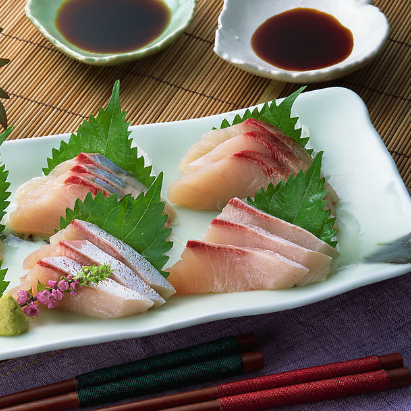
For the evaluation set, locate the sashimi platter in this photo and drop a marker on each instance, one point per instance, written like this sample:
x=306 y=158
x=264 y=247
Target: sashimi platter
x=120 y=231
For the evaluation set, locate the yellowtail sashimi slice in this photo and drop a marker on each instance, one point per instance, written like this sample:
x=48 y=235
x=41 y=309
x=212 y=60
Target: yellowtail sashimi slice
x=210 y=140
x=83 y=230
x=106 y=299
x=250 y=140
x=214 y=268
x=102 y=168
x=86 y=254
x=222 y=231
x=238 y=210
x=238 y=175
x=40 y=206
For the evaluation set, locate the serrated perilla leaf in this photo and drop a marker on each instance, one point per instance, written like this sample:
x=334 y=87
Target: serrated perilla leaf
x=300 y=201
x=139 y=222
x=278 y=116
x=106 y=134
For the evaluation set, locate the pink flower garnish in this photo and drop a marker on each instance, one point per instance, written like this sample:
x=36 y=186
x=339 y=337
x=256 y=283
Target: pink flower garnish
x=43 y=297
x=57 y=294
x=22 y=297
x=31 y=310
x=52 y=283
x=52 y=303
x=63 y=285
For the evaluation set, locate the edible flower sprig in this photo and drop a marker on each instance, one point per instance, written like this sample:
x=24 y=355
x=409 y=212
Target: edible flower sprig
x=50 y=294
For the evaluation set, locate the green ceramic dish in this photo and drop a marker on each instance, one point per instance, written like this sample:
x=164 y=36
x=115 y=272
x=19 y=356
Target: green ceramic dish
x=42 y=13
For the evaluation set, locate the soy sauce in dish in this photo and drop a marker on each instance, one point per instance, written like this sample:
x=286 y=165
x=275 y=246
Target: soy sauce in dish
x=302 y=39
x=112 y=26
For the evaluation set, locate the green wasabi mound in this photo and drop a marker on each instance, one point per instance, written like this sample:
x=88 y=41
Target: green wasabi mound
x=12 y=319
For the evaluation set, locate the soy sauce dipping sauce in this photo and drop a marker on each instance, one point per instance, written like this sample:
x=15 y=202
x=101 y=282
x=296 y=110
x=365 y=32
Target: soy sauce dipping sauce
x=302 y=39
x=112 y=26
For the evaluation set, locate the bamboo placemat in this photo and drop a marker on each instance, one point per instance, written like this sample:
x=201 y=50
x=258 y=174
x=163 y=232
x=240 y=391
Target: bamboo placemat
x=51 y=93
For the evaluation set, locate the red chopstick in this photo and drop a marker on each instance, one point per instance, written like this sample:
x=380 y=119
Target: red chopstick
x=345 y=386
x=305 y=375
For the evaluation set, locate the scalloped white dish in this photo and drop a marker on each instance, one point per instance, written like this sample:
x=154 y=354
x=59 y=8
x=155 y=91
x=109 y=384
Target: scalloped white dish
x=42 y=13
x=240 y=18
x=374 y=208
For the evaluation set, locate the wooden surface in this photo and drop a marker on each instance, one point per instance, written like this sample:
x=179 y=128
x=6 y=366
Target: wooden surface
x=51 y=93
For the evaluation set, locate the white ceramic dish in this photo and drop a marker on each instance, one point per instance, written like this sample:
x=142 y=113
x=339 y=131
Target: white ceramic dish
x=375 y=208
x=42 y=13
x=240 y=18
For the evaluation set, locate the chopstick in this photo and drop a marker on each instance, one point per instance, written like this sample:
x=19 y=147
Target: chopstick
x=161 y=380
x=301 y=376
x=340 y=387
x=193 y=354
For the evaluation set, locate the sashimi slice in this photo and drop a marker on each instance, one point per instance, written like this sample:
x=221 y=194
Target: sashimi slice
x=210 y=140
x=106 y=299
x=86 y=254
x=83 y=230
x=215 y=268
x=39 y=210
x=223 y=231
x=104 y=169
x=238 y=210
x=254 y=141
x=238 y=175
x=215 y=137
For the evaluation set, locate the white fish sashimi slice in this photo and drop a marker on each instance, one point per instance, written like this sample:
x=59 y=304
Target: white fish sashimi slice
x=250 y=140
x=213 y=185
x=223 y=231
x=87 y=253
x=38 y=212
x=216 y=268
x=210 y=140
x=106 y=299
x=83 y=230
x=238 y=210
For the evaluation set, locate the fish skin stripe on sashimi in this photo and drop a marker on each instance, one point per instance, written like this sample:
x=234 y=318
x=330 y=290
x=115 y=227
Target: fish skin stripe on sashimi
x=238 y=210
x=83 y=230
x=212 y=186
x=106 y=299
x=216 y=268
x=223 y=231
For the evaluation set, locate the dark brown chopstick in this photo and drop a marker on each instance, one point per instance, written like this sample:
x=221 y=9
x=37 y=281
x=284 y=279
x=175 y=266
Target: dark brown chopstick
x=233 y=344
x=177 y=377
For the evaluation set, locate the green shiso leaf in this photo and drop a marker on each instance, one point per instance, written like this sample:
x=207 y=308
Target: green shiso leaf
x=3 y=284
x=138 y=222
x=4 y=184
x=300 y=201
x=106 y=134
x=278 y=116
x=4 y=195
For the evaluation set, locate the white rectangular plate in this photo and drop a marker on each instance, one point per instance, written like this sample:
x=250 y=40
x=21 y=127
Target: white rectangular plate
x=374 y=208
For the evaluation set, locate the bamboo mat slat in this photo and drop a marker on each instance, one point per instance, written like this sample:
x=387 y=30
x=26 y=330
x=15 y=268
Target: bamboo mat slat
x=52 y=94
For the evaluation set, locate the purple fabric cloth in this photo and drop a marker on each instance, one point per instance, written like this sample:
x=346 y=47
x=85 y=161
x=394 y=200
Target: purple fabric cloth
x=371 y=320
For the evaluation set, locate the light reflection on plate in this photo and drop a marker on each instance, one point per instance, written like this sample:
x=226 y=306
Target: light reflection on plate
x=374 y=208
